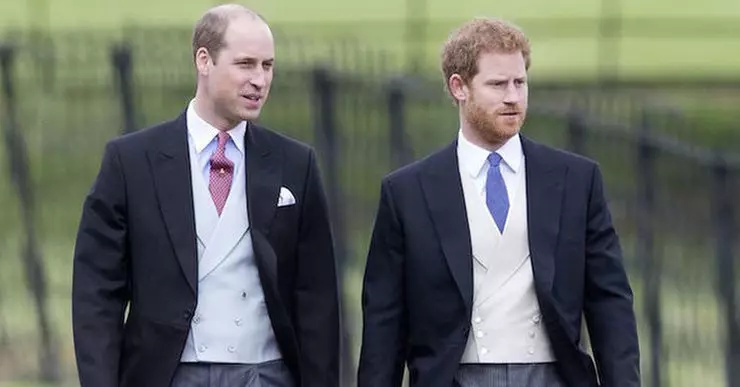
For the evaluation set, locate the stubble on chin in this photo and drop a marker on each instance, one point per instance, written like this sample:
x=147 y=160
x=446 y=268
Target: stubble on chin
x=491 y=132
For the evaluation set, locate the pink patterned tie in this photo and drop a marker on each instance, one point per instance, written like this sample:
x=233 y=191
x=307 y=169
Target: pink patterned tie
x=222 y=170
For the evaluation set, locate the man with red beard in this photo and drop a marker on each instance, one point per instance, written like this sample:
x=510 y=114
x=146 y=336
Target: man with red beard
x=486 y=254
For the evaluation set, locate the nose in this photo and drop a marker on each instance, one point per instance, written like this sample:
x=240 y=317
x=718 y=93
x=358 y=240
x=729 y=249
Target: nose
x=258 y=79
x=511 y=95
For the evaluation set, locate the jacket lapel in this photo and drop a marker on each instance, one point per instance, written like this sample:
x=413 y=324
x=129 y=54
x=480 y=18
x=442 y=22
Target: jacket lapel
x=545 y=179
x=264 y=176
x=170 y=165
x=442 y=189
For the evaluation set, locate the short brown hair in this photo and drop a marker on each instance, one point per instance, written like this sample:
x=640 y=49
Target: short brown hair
x=478 y=36
x=210 y=29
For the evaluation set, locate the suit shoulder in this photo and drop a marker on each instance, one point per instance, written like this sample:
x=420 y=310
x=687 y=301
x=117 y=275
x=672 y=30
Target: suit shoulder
x=410 y=171
x=566 y=157
x=289 y=144
x=406 y=171
x=141 y=138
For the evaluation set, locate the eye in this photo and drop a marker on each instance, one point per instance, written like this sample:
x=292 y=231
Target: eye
x=245 y=63
x=497 y=84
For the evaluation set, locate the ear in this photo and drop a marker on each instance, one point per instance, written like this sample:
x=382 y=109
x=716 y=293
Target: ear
x=459 y=90
x=203 y=61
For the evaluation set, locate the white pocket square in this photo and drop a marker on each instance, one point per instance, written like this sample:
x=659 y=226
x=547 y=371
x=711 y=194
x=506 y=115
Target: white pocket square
x=286 y=197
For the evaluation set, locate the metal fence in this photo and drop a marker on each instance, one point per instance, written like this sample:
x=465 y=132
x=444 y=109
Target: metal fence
x=674 y=202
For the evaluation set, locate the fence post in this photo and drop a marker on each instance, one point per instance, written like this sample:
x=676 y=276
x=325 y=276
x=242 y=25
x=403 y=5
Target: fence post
x=121 y=59
x=724 y=217
x=328 y=148
x=400 y=151
x=576 y=132
x=651 y=267
x=21 y=179
x=7 y=116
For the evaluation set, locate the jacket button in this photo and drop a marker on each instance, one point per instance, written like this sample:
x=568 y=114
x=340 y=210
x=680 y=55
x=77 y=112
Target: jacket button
x=186 y=315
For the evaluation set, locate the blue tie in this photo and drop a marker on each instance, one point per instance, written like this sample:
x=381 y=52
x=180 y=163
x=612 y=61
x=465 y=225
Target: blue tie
x=496 y=197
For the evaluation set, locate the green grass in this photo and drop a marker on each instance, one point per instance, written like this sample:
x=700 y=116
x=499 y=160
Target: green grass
x=109 y=13
x=691 y=38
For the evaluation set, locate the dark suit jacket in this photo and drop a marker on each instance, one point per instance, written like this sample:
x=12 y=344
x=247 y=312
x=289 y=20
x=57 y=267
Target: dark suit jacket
x=137 y=243
x=418 y=286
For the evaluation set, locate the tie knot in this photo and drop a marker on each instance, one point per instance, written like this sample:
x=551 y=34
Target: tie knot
x=223 y=137
x=494 y=159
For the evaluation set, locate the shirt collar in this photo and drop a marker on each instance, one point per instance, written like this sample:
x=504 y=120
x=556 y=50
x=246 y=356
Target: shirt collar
x=473 y=158
x=203 y=133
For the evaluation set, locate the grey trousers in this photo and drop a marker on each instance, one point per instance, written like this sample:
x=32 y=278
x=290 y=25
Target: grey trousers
x=269 y=374
x=508 y=375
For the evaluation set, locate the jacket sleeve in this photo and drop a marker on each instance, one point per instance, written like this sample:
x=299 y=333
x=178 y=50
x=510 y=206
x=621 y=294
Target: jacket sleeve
x=316 y=291
x=100 y=276
x=384 y=334
x=608 y=297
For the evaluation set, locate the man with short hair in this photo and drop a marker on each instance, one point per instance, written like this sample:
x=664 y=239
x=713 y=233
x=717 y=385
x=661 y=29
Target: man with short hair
x=214 y=232
x=486 y=254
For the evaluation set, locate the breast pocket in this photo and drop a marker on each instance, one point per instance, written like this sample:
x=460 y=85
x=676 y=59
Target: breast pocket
x=286 y=216
x=285 y=226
